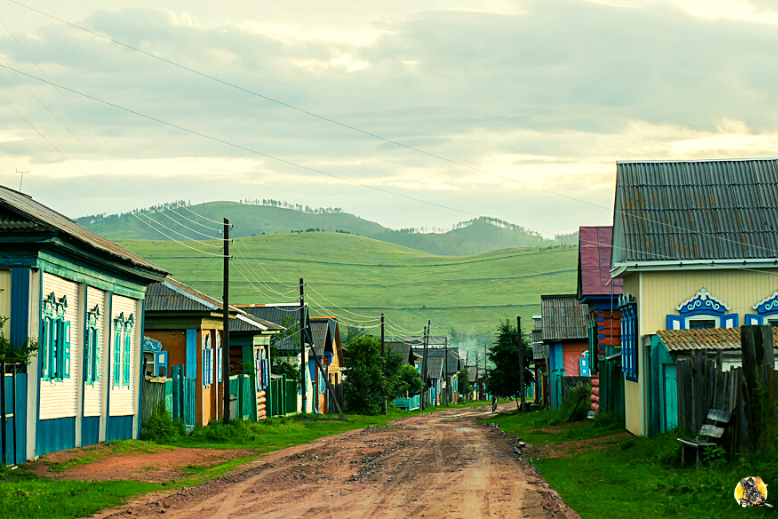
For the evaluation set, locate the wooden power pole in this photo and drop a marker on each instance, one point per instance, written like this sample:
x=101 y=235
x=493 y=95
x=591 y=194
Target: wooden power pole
x=383 y=369
x=302 y=344
x=226 y=325
x=445 y=370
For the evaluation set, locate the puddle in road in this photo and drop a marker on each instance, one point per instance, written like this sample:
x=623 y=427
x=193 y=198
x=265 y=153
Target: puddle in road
x=464 y=429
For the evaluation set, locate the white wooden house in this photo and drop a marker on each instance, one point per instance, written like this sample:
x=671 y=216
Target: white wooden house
x=81 y=297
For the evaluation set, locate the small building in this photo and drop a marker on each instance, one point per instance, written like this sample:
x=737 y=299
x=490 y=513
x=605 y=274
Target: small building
x=189 y=326
x=287 y=315
x=325 y=333
x=696 y=245
x=670 y=346
x=81 y=297
x=600 y=293
x=565 y=332
x=250 y=355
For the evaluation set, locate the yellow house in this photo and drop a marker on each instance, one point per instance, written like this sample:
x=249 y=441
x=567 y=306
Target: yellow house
x=696 y=243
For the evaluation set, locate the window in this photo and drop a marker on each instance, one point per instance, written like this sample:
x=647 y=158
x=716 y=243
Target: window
x=767 y=311
x=92 y=347
x=702 y=311
x=773 y=322
x=629 y=338
x=207 y=359
x=701 y=323
x=55 y=349
x=122 y=350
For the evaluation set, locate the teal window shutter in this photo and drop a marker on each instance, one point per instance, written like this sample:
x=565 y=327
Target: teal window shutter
x=65 y=349
x=54 y=350
x=117 y=353
x=127 y=356
x=45 y=348
x=95 y=354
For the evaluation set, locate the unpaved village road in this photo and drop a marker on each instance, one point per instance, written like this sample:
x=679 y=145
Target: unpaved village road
x=438 y=465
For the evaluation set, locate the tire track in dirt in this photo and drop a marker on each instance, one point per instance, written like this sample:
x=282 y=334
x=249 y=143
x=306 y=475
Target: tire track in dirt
x=439 y=465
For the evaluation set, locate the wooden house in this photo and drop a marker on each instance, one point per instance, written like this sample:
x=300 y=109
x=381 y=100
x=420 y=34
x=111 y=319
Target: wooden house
x=405 y=352
x=449 y=384
x=696 y=246
x=565 y=332
x=189 y=326
x=81 y=297
x=250 y=354
x=600 y=293
x=287 y=315
x=325 y=334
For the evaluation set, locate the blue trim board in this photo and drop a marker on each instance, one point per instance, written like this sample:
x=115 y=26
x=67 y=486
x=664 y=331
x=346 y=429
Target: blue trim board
x=20 y=417
x=119 y=428
x=54 y=435
x=90 y=430
x=140 y=366
x=20 y=305
x=36 y=418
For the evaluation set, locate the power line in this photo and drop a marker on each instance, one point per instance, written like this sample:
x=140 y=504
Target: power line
x=306 y=112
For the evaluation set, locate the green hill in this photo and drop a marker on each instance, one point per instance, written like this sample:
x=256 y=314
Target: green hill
x=177 y=220
x=357 y=278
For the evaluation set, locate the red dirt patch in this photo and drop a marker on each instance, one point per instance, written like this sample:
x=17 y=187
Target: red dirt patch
x=164 y=464
x=564 y=449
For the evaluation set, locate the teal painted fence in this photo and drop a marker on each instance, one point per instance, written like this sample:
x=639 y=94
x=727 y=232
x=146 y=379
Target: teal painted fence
x=182 y=396
x=14 y=431
x=409 y=404
x=612 y=385
x=241 y=399
x=282 y=398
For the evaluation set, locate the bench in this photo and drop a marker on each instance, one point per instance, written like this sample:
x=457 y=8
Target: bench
x=710 y=434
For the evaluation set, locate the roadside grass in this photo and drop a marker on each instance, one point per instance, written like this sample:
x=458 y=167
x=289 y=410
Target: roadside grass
x=635 y=477
x=26 y=495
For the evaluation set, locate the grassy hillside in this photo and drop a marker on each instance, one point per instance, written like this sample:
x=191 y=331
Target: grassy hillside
x=367 y=277
x=467 y=238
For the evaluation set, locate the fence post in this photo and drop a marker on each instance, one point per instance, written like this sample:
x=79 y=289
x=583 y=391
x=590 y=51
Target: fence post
x=756 y=343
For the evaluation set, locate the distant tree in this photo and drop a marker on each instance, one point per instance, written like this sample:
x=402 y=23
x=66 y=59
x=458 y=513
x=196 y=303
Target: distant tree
x=463 y=382
x=503 y=379
x=369 y=376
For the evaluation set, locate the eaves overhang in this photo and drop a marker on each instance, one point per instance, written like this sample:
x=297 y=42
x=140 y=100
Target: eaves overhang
x=621 y=269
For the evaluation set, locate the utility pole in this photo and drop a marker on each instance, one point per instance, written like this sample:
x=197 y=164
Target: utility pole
x=21 y=177
x=383 y=356
x=302 y=343
x=225 y=324
x=445 y=370
x=425 y=365
x=521 y=364
x=475 y=382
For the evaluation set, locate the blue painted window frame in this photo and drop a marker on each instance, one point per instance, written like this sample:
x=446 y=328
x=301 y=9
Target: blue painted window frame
x=629 y=338
x=702 y=305
x=92 y=347
x=55 y=347
x=122 y=351
x=767 y=310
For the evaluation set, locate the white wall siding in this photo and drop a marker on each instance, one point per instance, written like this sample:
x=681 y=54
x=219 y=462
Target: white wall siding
x=60 y=399
x=92 y=392
x=123 y=400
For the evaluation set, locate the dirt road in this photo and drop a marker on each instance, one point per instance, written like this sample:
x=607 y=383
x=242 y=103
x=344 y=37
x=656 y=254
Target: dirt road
x=439 y=465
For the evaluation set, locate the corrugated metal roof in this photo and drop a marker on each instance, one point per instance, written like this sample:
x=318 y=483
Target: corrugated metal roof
x=320 y=330
x=696 y=210
x=434 y=368
x=594 y=263
x=173 y=296
x=563 y=318
x=19 y=207
x=403 y=350
x=710 y=338
x=244 y=322
x=472 y=373
x=274 y=313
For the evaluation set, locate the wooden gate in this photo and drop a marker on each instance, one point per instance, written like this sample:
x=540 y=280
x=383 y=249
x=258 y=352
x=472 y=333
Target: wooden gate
x=13 y=414
x=183 y=405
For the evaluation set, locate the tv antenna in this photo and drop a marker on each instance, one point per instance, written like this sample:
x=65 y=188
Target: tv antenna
x=21 y=178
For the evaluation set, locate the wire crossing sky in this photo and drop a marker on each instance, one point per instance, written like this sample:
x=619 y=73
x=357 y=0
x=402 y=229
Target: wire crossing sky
x=548 y=94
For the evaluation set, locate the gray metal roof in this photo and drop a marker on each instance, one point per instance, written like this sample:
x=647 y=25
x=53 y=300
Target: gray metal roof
x=244 y=322
x=320 y=330
x=275 y=313
x=696 y=210
x=403 y=350
x=435 y=368
x=454 y=363
x=173 y=296
x=563 y=318
x=22 y=214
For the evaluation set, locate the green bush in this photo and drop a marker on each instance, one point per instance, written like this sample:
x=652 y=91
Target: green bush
x=161 y=428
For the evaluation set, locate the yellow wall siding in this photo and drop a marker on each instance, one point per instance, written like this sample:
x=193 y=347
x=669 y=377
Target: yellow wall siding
x=93 y=392
x=123 y=399
x=664 y=291
x=60 y=399
x=5 y=297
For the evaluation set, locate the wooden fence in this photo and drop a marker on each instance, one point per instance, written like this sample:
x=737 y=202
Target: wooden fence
x=282 y=399
x=154 y=389
x=749 y=393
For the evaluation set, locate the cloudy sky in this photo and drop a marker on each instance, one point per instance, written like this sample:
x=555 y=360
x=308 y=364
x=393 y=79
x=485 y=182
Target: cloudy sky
x=516 y=109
